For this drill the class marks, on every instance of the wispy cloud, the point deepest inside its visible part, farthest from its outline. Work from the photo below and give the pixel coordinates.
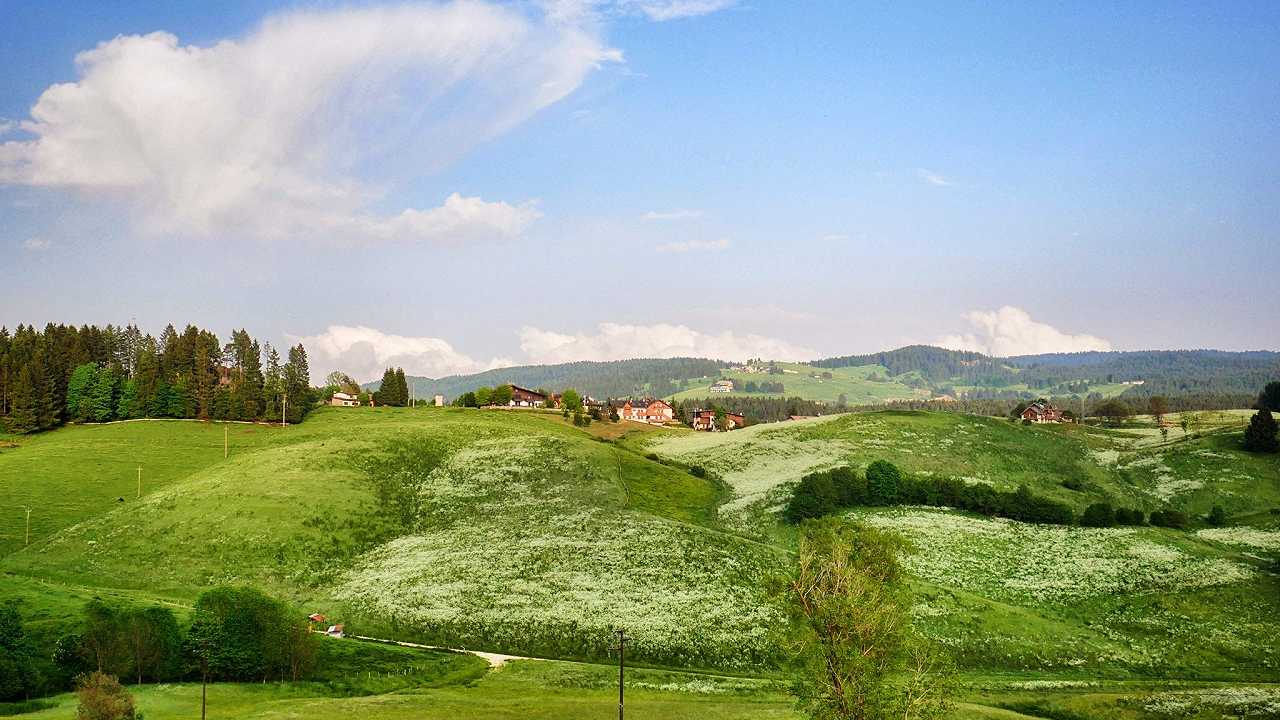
(834, 237)
(36, 245)
(1011, 331)
(345, 103)
(933, 178)
(616, 341)
(663, 10)
(694, 246)
(656, 215)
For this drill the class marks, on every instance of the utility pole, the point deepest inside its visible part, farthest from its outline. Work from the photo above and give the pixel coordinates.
(225, 432)
(284, 409)
(139, 481)
(28, 538)
(622, 652)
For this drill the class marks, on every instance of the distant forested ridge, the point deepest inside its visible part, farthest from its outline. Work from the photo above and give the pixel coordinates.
(1203, 373)
(619, 378)
(90, 374)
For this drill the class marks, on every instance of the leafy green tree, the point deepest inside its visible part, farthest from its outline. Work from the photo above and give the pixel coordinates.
(1114, 411)
(854, 654)
(1260, 435)
(483, 395)
(1158, 406)
(18, 675)
(129, 405)
(884, 480)
(79, 388)
(501, 395)
(153, 641)
(102, 398)
(570, 400)
(102, 638)
(815, 496)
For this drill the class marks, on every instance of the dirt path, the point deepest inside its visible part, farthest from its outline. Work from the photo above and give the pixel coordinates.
(495, 660)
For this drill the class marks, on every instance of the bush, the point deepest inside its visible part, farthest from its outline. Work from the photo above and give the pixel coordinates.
(697, 471)
(1098, 515)
(1130, 516)
(1169, 519)
(1217, 516)
(1075, 484)
(814, 497)
(102, 697)
(884, 480)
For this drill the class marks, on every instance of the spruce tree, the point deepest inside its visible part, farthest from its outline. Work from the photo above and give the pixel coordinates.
(402, 387)
(102, 398)
(23, 411)
(1260, 436)
(271, 386)
(79, 388)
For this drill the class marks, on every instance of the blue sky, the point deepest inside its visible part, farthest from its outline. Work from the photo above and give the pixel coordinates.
(455, 186)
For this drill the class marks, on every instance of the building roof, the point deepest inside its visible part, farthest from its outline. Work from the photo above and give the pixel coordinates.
(344, 396)
(517, 388)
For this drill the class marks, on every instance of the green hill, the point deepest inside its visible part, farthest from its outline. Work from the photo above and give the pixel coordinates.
(516, 532)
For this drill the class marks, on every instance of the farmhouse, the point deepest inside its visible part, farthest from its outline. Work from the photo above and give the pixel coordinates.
(439, 401)
(705, 420)
(722, 386)
(341, 399)
(652, 411)
(524, 397)
(1041, 411)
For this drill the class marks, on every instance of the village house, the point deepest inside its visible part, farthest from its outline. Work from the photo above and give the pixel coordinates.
(341, 399)
(524, 397)
(722, 386)
(1041, 411)
(652, 411)
(705, 420)
(439, 400)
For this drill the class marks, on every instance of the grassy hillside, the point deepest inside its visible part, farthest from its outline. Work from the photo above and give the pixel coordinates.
(513, 531)
(516, 532)
(861, 385)
(1005, 594)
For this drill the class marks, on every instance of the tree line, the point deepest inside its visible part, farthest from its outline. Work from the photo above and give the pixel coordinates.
(756, 409)
(89, 374)
(824, 493)
(233, 634)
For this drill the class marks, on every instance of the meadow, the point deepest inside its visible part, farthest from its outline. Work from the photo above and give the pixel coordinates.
(516, 532)
(859, 385)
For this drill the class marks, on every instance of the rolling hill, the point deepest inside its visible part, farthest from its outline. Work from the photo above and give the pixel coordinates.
(517, 532)
(909, 373)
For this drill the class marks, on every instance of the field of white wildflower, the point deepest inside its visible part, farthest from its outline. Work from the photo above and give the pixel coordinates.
(1022, 562)
(520, 550)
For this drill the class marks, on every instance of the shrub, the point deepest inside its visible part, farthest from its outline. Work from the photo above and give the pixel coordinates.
(1217, 516)
(1098, 515)
(1075, 484)
(1260, 436)
(697, 471)
(1169, 519)
(1130, 516)
(102, 697)
(884, 481)
(814, 497)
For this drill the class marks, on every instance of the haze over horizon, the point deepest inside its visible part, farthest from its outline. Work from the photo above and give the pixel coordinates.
(457, 186)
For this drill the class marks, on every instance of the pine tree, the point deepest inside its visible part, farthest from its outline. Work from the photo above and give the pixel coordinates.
(402, 387)
(297, 383)
(23, 412)
(1260, 436)
(271, 386)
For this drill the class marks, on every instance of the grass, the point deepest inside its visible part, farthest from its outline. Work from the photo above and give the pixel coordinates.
(806, 381)
(530, 536)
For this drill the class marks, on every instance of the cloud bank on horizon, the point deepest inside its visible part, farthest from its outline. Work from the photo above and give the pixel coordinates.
(1010, 331)
(365, 352)
(297, 129)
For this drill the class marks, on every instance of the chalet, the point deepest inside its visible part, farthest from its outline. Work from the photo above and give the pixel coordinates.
(524, 397)
(439, 401)
(341, 399)
(721, 386)
(1041, 411)
(335, 631)
(652, 411)
(705, 420)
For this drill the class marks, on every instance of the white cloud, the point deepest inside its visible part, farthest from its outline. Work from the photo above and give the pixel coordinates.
(933, 178)
(834, 237)
(655, 10)
(614, 341)
(36, 244)
(653, 215)
(694, 246)
(662, 10)
(300, 127)
(1011, 331)
(364, 353)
